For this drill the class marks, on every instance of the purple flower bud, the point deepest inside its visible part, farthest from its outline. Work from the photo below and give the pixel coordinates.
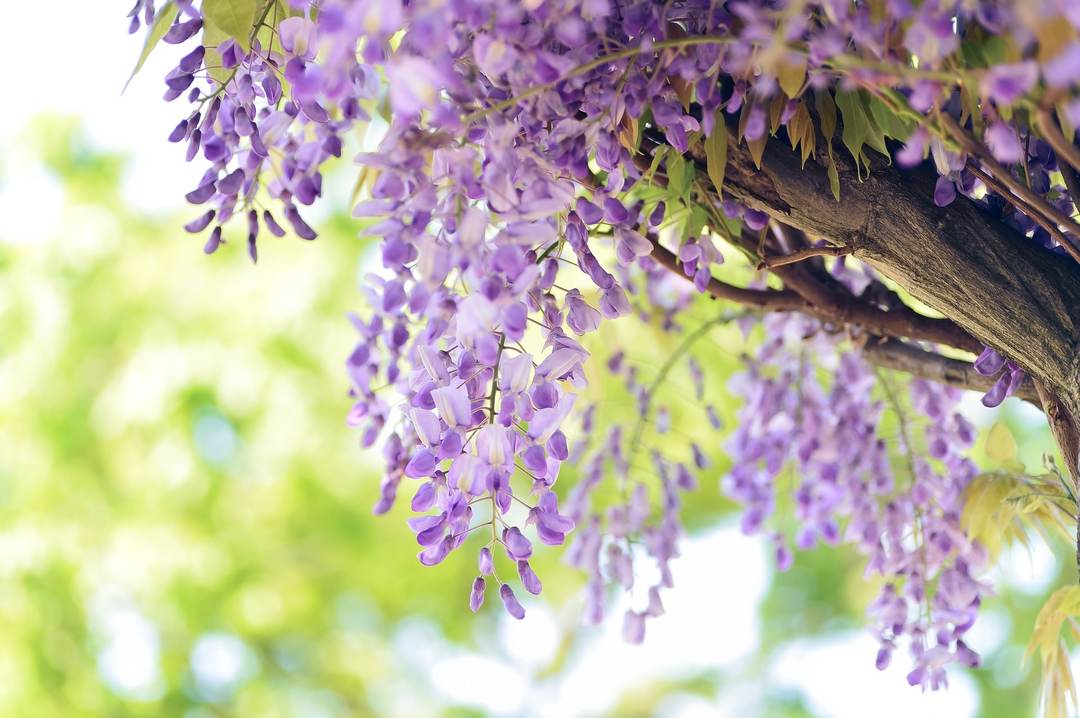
(214, 241)
(231, 183)
(230, 53)
(884, 656)
(193, 146)
(433, 555)
(914, 150)
(535, 460)
(989, 362)
(944, 192)
(179, 132)
(431, 534)
(193, 60)
(1005, 84)
(487, 562)
(997, 392)
(178, 80)
(657, 216)
(510, 601)
(614, 211)
(302, 229)
(181, 31)
(476, 596)
(965, 656)
(755, 220)
(1003, 143)
(529, 579)
(557, 446)
(633, 630)
(755, 123)
(201, 222)
(201, 193)
(272, 225)
(215, 149)
(421, 465)
(517, 546)
(425, 497)
(589, 212)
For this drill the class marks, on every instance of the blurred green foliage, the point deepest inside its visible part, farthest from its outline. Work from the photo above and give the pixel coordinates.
(185, 525)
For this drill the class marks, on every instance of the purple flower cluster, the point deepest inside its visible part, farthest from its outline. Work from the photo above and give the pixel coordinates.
(906, 523)
(267, 119)
(513, 220)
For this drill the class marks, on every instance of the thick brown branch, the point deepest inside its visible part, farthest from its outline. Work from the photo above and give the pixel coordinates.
(910, 359)
(837, 309)
(821, 302)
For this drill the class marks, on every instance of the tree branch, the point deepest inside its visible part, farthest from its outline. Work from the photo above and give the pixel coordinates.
(767, 299)
(802, 254)
(825, 303)
(834, 308)
(910, 359)
(1006, 290)
(1063, 426)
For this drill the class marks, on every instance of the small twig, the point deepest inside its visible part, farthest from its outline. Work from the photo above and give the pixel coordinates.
(780, 261)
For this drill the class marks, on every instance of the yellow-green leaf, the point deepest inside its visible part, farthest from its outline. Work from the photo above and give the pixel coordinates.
(1000, 444)
(757, 149)
(791, 74)
(826, 109)
(716, 151)
(232, 17)
(162, 21)
(834, 177)
(1062, 604)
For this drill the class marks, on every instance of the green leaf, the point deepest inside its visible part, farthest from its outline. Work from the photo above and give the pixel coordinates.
(791, 74)
(696, 222)
(716, 152)
(826, 110)
(860, 129)
(856, 124)
(834, 177)
(162, 21)
(679, 175)
(892, 124)
(232, 17)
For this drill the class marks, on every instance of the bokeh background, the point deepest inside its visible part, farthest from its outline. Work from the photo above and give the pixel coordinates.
(185, 523)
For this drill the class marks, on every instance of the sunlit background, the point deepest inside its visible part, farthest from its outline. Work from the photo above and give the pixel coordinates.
(185, 519)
